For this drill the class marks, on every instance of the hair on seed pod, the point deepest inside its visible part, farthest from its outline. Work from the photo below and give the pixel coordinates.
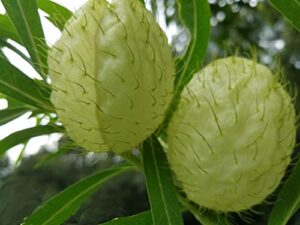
(232, 134)
(113, 66)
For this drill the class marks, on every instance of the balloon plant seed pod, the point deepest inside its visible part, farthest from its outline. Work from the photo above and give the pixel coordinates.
(232, 135)
(112, 75)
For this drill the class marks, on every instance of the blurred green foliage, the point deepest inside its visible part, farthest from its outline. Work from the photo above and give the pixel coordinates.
(27, 187)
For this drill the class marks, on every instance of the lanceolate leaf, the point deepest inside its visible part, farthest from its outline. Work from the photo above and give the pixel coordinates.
(7, 29)
(25, 17)
(195, 15)
(290, 9)
(144, 218)
(7, 115)
(288, 201)
(161, 190)
(59, 208)
(142, 1)
(206, 218)
(4, 43)
(154, 7)
(21, 136)
(14, 104)
(211, 219)
(17, 85)
(58, 14)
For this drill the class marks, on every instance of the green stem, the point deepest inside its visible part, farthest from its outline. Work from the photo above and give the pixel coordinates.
(132, 159)
(185, 204)
(204, 217)
(171, 109)
(4, 43)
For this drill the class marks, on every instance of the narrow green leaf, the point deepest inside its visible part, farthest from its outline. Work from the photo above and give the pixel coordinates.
(154, 8)
(8, 115)
(1, 54)
(161, 190)
(207, 217)
(23, 135)
(7, 29)
(58, 14)
(288, 201)
(24, 15)
(14, 104)
(21, 154)
(59, 208)
(17, 85)
(143, 2)
(195, 15)
(211, 219)
(4, 43)
(290, 9)
(144, 218)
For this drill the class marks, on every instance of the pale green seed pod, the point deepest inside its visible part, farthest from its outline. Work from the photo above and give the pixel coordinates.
(231, 138)
(112, 75)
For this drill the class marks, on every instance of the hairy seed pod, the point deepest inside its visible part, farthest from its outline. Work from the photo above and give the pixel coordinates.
(231, 138)
(112, 75)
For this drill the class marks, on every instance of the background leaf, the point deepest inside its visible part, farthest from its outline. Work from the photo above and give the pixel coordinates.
(142, 1)
(195, 15)
(25, 17)
(59, 208)
(14, 104)
(206, 218)
(58, 14)
(290, 9)
(161, 190)
(6, 115)
(51, 156)
(21, 136)
(17, 85)
(4, 43)
(144, 218)
(7, 29)
(211, 219)
(288, 201)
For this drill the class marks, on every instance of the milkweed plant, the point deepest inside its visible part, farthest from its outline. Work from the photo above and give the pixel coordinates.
(211, 138)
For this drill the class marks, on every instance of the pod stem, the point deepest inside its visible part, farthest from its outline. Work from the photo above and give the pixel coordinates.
(132, 159)
(170, 111)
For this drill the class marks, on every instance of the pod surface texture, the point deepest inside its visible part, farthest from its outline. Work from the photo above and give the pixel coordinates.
(231, 138)
(112, 75)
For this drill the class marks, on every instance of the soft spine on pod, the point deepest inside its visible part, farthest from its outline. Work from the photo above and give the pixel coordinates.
(231, 138)
(112, 75)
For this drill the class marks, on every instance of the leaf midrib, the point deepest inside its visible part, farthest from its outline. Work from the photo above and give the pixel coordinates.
(297, 2)
(293, 208)
(193, 42)
(23, 93)
(78, 196)
(160, 186)
(27, 27)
